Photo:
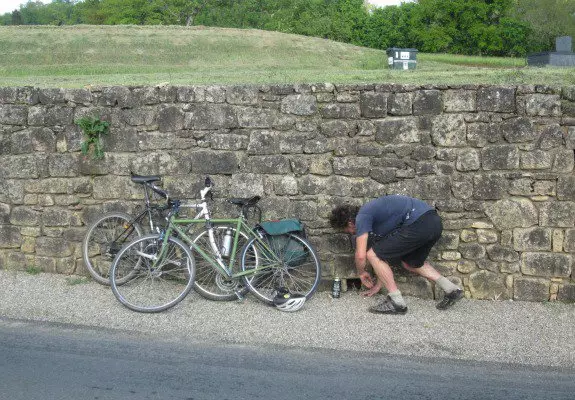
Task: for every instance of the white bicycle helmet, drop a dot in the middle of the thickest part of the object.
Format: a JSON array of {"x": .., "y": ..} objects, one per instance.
[{"x": 285, "y": 301}]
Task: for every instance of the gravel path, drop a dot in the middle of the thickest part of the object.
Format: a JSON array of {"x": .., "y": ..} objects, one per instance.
[{"x": 502, "y": 331}]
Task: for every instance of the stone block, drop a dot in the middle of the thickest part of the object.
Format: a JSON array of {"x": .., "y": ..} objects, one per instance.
[
  {"x": 551, "y": 136},
  {"x": 32, "y": 140},
  {"x": 373, "y": 105},
  {"x": 551, "y": 265},
  {"x": 417, "y": 286},
  {"x": 528, "y": 289},
  {"x": 230, "y": 141},
  {"x": 449, "y": 131},
  {"x": 512, "y": 213},
  {"x": 434, "y": 187},
  {"x": 243, "y": 95},
  {"x": 25, "y": 216},
  {"x": 246, "y": 185},
  {"x": 304, "y": 210},
  {"x": 383, "y": 175},
  {"x": 338, "y": 110},
  {"x": 13, "y": 114},
  {"x": 286, "y": 186},
  {"x": 559, "y": 214},
  {"x": 536, "y": 159},
  {"x": 116, "y": 96},
  {"x": 496, "y": 99},
  {"x": 170, "y": 118},
  {"x": 569, "y": 243},
  {"x": 48, "y": 116},
  {"x": 566, "y": 188},
  {"x": 63, "y": 165},
  {"x": 53, "y": 247},
  {"x": 487, "y": 236},
  {"x": 264, "y": 142},
  {"x": 489, "y": 187},
  {"x": 21, "y": 166},
  {"x": 472, "y": 251},
  {"x": 459, "y": 100},
  {"x": 566, "y": 292},
  {"x": 116, "y": 187},
  {"x": 336, "y": 128},
  {"x": 543, "y": 105},
  {"x": 519, "y": 130},
  {"x": 497, "y": 252},
  {"x": 468, "y": 160},
  {"x": 268, "y": 164},
  {"x": 427, "y": 102},
  {"x": 481, "y": 134},
  {"x": 10, "y": 236},
  {"x": 532, "y": 239},
  {"x": 55, "y": 217},
  {"x": 400, "y": 103},
  {"x": 397, "y": 130},
  {"x": 466, "y": 266},
  {"x": 486, "y": 285},
  {"x": 263, "y": 118},
  {"x": 351, "y": 166},
  {"x": 563, "y": 161},
  {"x": 210, "y": 116},
  {"x": 190, "y": 94},
  {"x": 300, "y": 104},
  {"x": 500, "y": 157}
]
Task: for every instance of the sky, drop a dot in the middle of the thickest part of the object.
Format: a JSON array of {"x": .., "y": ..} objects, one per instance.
[{"x": 11, "y": 5}]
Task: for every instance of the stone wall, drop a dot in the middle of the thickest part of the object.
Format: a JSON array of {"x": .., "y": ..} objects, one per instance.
[{"x": 497, "y": 162}]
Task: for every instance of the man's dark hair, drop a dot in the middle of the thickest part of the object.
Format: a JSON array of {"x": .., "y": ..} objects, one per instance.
[{"x": 341, "y": 215}]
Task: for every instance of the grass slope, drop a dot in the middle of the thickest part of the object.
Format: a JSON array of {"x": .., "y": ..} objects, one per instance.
[{"x": 76, "y": 56}]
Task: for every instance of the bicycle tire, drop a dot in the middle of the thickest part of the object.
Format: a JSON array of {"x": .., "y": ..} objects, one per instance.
[
  {"x": 154, "y": 285},
  {"x": 302, "y": 277},
  {"x": 211, "y": 284},
  {"x": 98, "y": 246}
]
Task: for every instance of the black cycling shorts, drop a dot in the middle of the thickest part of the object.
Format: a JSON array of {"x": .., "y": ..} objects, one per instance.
[{"x": 409, "y": 243}]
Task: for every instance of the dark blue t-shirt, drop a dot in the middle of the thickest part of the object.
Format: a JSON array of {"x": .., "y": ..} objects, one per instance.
[{"x": 384, "y": 214}]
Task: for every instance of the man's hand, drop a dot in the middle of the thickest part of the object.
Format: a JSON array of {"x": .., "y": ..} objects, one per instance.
[
  {"x": 368, "y": 282},
  {"x": 366, "y": 279}
]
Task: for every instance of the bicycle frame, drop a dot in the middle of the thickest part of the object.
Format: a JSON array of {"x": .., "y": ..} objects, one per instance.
[{"x": 215, "y": 259}]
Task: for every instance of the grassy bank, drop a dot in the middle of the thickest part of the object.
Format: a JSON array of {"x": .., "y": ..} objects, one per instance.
[{"x": 76, "y": 56}]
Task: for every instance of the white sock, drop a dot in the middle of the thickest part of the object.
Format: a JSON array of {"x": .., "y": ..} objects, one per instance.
[
  {"x": 446, "y": 284},
  {"x": 397, "y": 298}
]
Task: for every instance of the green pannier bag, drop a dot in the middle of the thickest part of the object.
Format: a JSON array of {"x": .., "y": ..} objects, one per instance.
[{"x": 294, "y": 253}]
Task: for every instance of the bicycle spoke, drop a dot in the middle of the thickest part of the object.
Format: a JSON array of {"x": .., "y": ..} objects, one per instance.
[
  {"x": 159, "y": 277},
  {"x": 298, "y": 268}
]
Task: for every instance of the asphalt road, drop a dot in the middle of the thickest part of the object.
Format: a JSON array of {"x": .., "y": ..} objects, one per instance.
[
  {"x": 536, "y": 334},
  {"x": 50, "y": 361}
]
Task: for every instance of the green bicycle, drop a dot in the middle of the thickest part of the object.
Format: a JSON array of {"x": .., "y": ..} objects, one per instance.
[{"x": 233, "y": 258}]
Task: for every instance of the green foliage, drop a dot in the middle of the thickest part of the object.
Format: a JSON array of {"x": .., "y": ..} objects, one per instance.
[
  {"x": 93, "y": 129},
  {"x": 471, "y": 27},
  {"x": 33, "y": 270}
]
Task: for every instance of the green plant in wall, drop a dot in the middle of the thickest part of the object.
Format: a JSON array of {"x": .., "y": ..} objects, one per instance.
[{"x": 93, "y": 129}]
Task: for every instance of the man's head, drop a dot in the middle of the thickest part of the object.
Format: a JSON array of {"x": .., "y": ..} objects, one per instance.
[{"x": 343, "y": 218}]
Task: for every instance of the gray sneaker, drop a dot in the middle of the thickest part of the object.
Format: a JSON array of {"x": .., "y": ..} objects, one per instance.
[
  {"x": 387, "y": 306},
  {"x": 450, "y": 299}
]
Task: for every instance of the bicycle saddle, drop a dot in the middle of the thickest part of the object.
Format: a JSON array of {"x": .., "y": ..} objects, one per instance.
[
  {"x": 145, "y": 178},
  {"x": 245, "y": 201}
]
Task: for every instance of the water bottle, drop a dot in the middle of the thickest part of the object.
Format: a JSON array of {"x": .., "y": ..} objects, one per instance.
[
  {"x": 336, "y": 288},
  {"x": 227, "y": 243}
]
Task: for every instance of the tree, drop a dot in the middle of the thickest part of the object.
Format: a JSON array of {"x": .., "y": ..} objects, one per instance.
[{"x": 547, "y": 19}]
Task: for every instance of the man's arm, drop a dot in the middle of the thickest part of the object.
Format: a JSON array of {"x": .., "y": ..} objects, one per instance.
[{"x": 361, "y": 260}]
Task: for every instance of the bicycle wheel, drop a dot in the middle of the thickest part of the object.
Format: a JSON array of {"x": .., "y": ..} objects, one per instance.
[
  {"x": 287, "y": 261},
  {"x": 209, "y": 282},
  {"x": 160, "y": 277},
  {"x": 103, "y": 241}
]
